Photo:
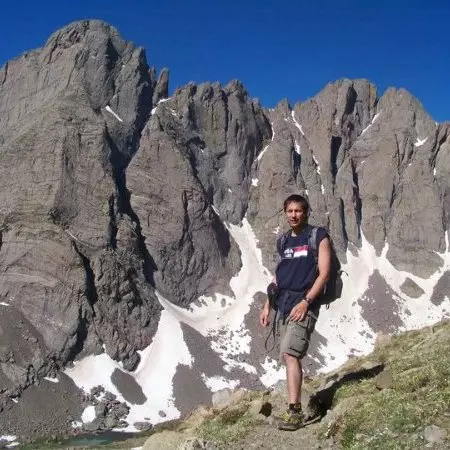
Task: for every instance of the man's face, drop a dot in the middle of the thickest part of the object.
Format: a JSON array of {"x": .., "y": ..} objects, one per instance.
[{"x": 295, "y": 214}]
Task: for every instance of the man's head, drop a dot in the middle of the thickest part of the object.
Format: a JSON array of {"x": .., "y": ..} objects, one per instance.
[{"x": 296, "y": 209}]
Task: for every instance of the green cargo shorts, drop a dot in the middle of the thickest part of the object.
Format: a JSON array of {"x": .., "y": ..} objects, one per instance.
[{"x": 294, "y": 336}]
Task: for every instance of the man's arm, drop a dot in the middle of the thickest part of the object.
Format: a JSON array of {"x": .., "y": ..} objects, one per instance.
[
  {"x": 264, "y": 314},
  {"x": 299, "y": 311},
  {"x": 324, "y": 264}
]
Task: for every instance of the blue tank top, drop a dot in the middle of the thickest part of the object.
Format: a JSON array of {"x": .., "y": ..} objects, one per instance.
[{"x": 297, "y": 270}]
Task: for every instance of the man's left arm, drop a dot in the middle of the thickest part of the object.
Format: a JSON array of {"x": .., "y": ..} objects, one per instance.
[
  {"x": 324, "y": 262},
  {"x": 299, "y": 311}
]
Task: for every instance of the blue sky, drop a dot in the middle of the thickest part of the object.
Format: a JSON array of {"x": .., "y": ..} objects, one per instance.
[{"x": 278, "y": 49}]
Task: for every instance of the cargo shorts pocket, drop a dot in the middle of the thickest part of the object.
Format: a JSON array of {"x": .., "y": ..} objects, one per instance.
[{"x": 297, "y": 337}]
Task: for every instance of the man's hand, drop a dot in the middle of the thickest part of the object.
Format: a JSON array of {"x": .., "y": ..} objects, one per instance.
[
  {"x": 264, "y": 316},
  {"x": 299, "y": 311}
]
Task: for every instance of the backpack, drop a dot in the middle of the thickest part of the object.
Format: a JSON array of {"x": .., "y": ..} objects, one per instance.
[{"x": 333, "y": 287}]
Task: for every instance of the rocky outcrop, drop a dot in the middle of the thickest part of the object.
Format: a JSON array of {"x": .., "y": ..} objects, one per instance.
[
  {"x": 369, "y": 167},
  {"x": 192, "y": 173},
  {"x": 71, "y": 115}
]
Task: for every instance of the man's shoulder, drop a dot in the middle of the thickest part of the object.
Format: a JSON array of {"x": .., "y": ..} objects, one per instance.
[{"x": 321, "y": 232}]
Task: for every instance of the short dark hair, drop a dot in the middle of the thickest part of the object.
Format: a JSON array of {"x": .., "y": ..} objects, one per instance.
[{"x": 297, "y": 199}]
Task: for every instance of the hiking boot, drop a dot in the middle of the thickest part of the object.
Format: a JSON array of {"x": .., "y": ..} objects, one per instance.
[{"x": 291, "y": 420}]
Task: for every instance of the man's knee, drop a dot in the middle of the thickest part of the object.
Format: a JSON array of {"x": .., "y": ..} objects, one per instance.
[{"x": 291, "y": 359}]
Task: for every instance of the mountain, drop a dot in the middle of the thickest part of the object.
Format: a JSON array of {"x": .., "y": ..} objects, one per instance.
[{"x": 137, "y": 230}]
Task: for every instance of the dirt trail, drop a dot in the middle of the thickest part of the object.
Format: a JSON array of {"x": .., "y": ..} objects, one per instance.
[{"x": 269, "y": 437}]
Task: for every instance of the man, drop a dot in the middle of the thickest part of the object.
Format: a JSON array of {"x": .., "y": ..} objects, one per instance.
[{"x": 300, "y": 281}]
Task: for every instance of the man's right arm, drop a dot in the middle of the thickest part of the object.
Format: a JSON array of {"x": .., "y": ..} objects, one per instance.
[{"x": 264, "y": 314}]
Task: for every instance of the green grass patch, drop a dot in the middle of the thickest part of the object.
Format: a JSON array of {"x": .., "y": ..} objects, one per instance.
[
  {"x": 420, "y": 394},
  {"x": 229, "y": 426}
]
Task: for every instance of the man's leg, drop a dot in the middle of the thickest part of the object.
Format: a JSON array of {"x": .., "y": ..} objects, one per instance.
[
  {"x": 294, "y": 377},
  {"x": 292, "y": 419}
]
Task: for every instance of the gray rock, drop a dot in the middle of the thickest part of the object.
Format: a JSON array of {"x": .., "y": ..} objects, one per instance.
[
  {"x": 119, "y": 410},
  {"x": 109, "y": 397},
  {"x": 222, "y": 396},
  {"x": 143, "y": 426},
  {"x": 260, "y": 407},
  {"x": 100, "y": 409},
  {"x": 53, "y": 108},
  {"x": 384, "y": 380},
  {"x": 111, "y": 422},
  {"x": 411, "y": 289},
  {"x": 195, "y": 137},
  {"x": 96, "y": 425},
  {"x": 161, "y": 87},
  {"x": 97, "y": 390},
  {"x": 441, "y": 289},
  {"x": 434, "y": 434}
]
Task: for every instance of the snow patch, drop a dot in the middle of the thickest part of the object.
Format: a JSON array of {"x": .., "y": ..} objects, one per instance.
[
  {"x": 159, "y": 102},
  {"x": 297, "y": 147},
  {"x": 262, "y": 153},
  {"x": 8, "y": 438},
  {"x": 420, "y": 142},
  {"x": 434, "y": 173},
  {"x": 259, "y": 157},
  {"x": 11, "y": 439},
  {"x": 255, "y": 181},
  {"x": 108, "y": 108},
  {"x": 375, "y": 117},
  {"x": 4, "y": 304},
  {"x": 272, "y": 372},
  {"x": 296, "y": 123},
  {"x": 217, "y": 383},
  {"x": 342, "y": 324},
  {"x": 322, "y": 188},
  {"x": 88, "y": 414},
  {"x": 52, "y": 380},
  {"x": 229, "y": 335},
  {"x": 72, "y": 236},
  {"x": 167, "y": 348},
  {"x": 276, "y": 230},
  {"x": 215, "y": 210},
  {"x": 316, "y": 162}
]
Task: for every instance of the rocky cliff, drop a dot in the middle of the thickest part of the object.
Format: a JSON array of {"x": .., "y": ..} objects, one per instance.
[{"x": 111, "y": 192}]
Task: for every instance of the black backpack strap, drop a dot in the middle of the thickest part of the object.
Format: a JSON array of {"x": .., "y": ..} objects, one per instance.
[
  {"x": 281, "y": 242},
  {"x": 312, "y": 243}
]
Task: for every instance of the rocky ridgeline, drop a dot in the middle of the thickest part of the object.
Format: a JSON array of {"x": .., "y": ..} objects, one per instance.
[{"x": 110, "y": 190}]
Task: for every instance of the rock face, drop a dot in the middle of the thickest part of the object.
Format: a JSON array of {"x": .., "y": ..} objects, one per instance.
[
  {"x": 370, "y": 167},
  {"x": 111, "y": 191},
  {"x": 65, "y": 276},
  {"x": 192, "y": 172}
]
